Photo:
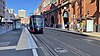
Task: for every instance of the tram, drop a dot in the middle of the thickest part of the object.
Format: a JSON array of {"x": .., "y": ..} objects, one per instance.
[{"x": 36, "y": 24}]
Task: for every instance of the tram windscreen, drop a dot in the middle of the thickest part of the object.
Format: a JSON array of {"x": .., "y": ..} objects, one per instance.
[{"x": 38, "y": 21}]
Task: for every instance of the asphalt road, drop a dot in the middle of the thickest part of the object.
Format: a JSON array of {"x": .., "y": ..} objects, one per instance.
[
  {"x": 57, "y": 43},
  {"x": 13, "y": 52},
  {"x": 10, "y": 38}
]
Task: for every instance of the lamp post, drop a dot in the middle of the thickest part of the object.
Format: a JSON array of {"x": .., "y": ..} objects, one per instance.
[{"x": 73, "y": 22}]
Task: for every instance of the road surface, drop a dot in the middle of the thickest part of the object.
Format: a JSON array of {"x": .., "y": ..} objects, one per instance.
[{"x": 56, "y": 43}]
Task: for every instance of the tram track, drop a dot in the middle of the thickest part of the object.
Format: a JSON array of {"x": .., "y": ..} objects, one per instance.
[
  {"x": 47, "y": 48},
  {"x": 72, "y": 49}
]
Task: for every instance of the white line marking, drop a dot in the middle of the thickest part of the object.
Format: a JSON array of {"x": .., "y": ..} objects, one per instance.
[
  {"x": 35, "y": 52},
  {"x": 4, "y": 43},
  {"x": 7, "y": 47},
  {"x": 30, "y": 39},
  {"x": 34, "y": 37}
]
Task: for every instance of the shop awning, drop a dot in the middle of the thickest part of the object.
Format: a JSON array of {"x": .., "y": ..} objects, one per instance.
[{"x": 16, "y": 19}]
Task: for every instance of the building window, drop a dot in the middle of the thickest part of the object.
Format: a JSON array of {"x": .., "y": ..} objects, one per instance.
[
  {"x": 92, "y": 1},
  {"x": 11, "y": 19},
  {"x": 59, "y": 1},
  {"x": 3, "y": 3},
  {"x": 3, "y": 7},
  {"x": 54, "y": 1},
  {"x": 7, "y": 11},
  {"x": 10, "y": 16},
  {"x": 3, "y": 12},
  {"x": 46, "y": 3}
]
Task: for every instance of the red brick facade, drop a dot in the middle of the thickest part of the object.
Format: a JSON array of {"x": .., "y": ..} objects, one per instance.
[{"x": 78, "y": 9}]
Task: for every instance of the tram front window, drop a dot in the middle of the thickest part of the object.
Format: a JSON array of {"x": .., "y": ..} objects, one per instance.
[{"x": 38, "y": 22}]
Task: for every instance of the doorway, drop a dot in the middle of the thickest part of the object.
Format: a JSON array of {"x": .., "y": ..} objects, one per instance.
[{"x": 52, "y": 21}]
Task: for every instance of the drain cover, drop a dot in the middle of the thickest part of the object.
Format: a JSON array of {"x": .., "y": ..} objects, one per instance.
[
  {"x": 61, "y": 50},
  {"x": 4, "y": 44}
]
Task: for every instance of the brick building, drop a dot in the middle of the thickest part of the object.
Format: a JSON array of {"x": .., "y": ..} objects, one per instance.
[
  {"x": 58, "y": 13},
  {"x": 86, "y": 10},
  {"x": 61, "y": 12}
]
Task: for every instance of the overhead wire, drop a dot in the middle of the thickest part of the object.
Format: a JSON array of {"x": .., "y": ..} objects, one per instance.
[{"x": 35, "y": 5}]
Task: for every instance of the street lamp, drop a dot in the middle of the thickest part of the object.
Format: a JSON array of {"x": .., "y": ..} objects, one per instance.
[{"x": 73, "y": 22}]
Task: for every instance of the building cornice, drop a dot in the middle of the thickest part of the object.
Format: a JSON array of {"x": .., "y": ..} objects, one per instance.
[{"x": 60, "y": 6}]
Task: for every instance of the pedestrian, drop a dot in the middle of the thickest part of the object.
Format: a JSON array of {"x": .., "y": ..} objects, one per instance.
[
  {"x": 78, "y": 27},
  {"x": 81, "y": 27},
  {"x": 72, "y": 25}
]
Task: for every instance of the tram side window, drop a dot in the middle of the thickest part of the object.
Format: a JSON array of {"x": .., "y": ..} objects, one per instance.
[
  {"x": 30, "y": 24},
  {"x": 34, "y": 21}
]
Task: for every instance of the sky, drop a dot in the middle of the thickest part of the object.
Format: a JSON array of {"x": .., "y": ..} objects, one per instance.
[{"x": 28, "y": 5}]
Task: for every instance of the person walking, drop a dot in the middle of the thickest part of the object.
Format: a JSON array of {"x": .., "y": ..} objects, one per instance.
[
  {"x": 78, "y": 27},
  {"x": 81, "y": 27}
]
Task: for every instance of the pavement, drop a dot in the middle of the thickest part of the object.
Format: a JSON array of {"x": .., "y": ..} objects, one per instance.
[
  {"x": 17, "y": 42},
  {"x": 10, "y": 38},
  {"x": 8, "y": 44},
  {"x": 94, "y": 35}
]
